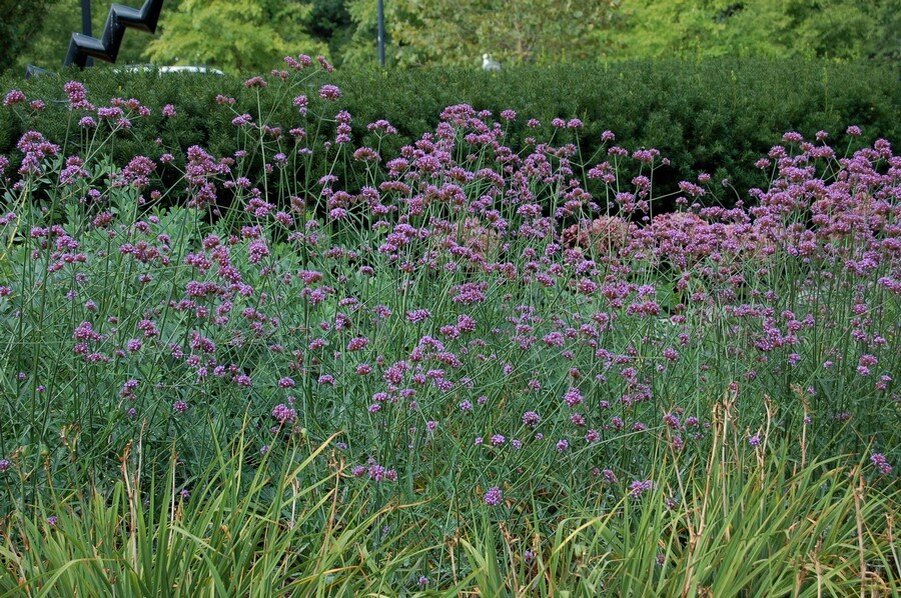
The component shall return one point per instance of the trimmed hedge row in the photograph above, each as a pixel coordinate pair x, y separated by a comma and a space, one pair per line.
716, 116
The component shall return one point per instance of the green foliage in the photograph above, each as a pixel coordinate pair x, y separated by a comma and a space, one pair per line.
540, 31
842, 29
20, 21
755, 523
523, 31
279, 526
330, 22
767, 492
248, 35
751, 525
234, 35
716, 116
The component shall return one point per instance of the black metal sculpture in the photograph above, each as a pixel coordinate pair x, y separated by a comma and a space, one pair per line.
107, 47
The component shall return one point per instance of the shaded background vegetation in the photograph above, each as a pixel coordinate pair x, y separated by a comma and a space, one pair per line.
252, 35
717, 115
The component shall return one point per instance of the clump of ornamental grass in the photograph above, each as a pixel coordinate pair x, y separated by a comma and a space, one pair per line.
481, 329
247, 523
753, 520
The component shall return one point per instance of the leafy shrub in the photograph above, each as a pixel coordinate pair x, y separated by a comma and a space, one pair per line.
714, 116
503, 340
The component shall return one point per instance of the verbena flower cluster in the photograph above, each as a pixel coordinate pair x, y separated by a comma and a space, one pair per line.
530, 298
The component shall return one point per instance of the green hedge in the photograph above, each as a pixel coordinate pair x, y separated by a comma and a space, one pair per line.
716, 116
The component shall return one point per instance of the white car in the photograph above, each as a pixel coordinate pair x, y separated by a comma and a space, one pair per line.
147, 68
33, 71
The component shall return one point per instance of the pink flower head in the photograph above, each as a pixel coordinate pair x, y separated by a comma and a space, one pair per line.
493, 496
256, 82
573, 397
325, 64
530, 418
639, 487
329, 92
301, 102
284, 414
881, 463
13, 97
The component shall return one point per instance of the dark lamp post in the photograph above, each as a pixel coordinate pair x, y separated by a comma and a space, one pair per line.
86, 24
381, 19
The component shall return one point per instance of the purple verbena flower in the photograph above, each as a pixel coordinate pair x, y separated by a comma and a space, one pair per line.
881, 463
493, 496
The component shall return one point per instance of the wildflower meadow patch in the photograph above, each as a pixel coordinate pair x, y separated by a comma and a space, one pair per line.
323, 363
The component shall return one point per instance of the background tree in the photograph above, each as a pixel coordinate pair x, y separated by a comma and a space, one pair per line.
842, 29
361, 48
330, 22
234, 35
547, 31
251, 35
458, 32
19, 21
886, 39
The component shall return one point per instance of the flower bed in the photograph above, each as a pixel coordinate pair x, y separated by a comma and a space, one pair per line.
507, 338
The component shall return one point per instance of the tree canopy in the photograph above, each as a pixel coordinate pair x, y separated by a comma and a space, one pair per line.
252, 35
19, 23
235, 35
842, 29
458, 32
